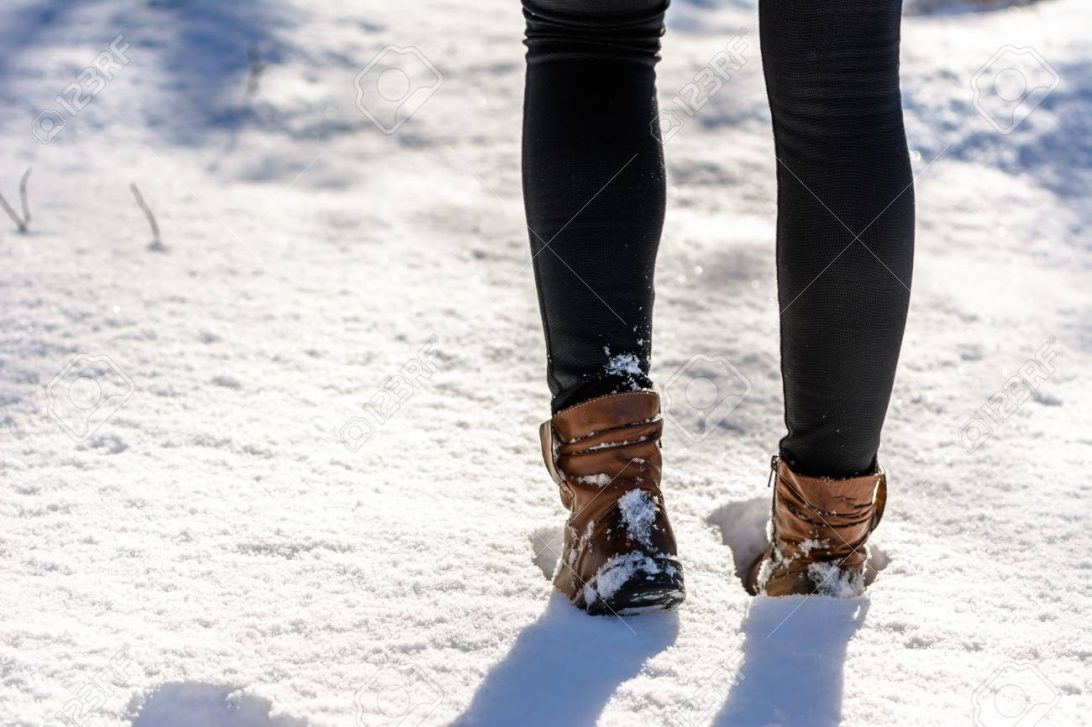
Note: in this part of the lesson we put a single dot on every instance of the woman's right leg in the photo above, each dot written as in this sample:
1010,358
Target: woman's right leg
593,180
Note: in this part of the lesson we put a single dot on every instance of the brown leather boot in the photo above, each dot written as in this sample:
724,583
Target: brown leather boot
619,552
818,531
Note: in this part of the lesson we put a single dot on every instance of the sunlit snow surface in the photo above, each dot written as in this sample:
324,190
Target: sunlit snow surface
212,511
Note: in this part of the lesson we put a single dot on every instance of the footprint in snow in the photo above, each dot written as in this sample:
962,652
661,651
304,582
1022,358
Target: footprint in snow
742,528
546,544
184,704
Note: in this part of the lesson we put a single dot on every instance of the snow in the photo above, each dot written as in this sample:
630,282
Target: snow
619,443
259,557
182,704
623,365
835,582
638,511
617,572
600,479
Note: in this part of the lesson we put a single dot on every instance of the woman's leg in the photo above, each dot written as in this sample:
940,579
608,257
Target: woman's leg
593,180
845,226
845,244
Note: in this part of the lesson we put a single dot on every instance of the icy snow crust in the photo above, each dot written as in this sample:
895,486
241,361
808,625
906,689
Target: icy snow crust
214,552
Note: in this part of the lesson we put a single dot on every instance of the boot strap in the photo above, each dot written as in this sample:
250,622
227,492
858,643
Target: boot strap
549,450
879,501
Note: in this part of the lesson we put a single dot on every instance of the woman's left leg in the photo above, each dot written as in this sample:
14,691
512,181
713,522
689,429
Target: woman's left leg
845,247
593,183
594,189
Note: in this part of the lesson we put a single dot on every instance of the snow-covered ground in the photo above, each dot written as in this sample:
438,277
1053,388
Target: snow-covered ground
202,524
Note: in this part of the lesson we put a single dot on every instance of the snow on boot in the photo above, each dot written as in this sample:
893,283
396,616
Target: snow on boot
818,532
619,551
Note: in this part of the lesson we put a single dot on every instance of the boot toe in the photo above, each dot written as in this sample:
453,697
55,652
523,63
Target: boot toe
817,578
634,583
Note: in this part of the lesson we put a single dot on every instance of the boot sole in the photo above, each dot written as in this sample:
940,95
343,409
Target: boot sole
644,593
752,574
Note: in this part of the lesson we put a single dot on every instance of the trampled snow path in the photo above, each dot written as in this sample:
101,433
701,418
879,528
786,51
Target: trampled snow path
213,554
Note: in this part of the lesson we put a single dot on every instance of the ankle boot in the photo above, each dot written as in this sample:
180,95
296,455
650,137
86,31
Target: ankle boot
619,551
818,534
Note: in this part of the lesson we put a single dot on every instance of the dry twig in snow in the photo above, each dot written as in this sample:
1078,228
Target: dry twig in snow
156,243
23,196
20,222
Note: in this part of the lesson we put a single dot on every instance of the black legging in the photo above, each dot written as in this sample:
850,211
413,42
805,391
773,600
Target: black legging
593,179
